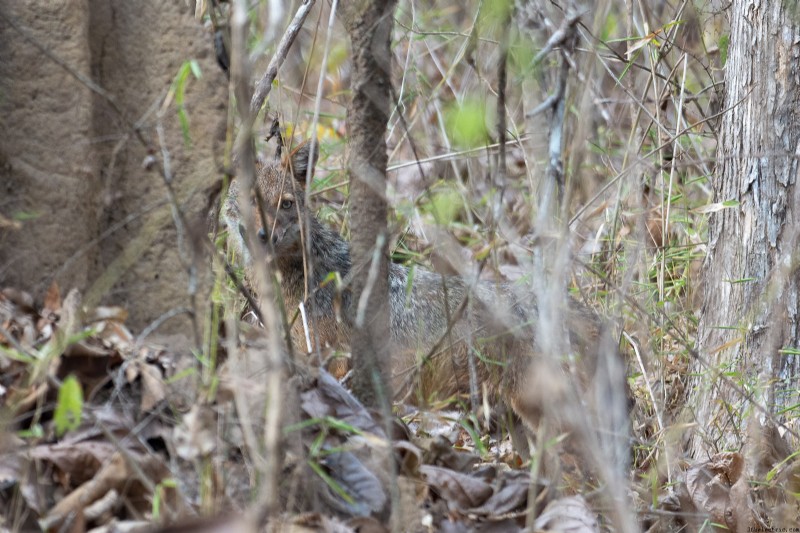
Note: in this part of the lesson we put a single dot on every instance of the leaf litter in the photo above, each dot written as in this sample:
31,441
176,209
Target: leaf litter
144,450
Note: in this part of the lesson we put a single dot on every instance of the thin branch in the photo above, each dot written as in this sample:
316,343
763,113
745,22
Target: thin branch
558,38
264,85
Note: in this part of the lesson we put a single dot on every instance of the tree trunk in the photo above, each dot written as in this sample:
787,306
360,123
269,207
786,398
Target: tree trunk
749,323
369,23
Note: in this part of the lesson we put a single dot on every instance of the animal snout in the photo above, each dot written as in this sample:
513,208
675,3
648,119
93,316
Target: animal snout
263,237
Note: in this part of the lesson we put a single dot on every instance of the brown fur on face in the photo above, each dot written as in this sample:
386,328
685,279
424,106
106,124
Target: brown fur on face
281,185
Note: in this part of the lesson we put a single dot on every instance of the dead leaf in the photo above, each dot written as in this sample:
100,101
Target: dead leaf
309,523
52,298
461,491
409,457
440,452
19,298
330,398
9,223
221,524
110,313
709,486
366,524
115,474
510,495
196,436
567,515
358,481
115,334
741,516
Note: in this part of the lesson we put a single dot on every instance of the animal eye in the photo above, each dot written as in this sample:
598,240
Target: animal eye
286,204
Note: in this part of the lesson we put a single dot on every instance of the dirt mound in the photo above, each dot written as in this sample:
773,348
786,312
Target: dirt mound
78,204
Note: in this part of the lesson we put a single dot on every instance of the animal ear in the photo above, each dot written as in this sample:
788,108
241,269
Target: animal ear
300,159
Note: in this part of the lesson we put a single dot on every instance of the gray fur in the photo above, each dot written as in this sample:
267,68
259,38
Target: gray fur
494,324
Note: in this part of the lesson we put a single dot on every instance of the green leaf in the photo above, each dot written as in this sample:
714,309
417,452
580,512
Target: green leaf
195,66
178,92
722,44
338,489
714,207
23,216
36,431
446,204
496,13
466,125
69,405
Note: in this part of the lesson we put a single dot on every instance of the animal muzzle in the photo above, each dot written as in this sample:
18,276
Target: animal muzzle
277,235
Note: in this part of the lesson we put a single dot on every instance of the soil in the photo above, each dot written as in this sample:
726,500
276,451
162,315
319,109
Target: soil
78,205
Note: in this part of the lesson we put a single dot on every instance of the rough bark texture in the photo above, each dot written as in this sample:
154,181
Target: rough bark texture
369,23
750,312
93,217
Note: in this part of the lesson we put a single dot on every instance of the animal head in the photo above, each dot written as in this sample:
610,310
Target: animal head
281,184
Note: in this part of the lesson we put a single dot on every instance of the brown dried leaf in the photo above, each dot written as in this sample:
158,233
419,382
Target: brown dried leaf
86,348
511,494
364,524
153,391
461,492
115,334
356,479
77,461
309,523
109,313
440,451
115,474
330,398
21,299
222,524
11,463
409,457
741,516
196,436
709,485
568,515
52,301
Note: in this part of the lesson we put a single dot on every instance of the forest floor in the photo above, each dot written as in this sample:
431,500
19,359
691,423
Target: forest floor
109,432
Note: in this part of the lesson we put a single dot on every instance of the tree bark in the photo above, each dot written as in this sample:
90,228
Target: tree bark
369,23
749,321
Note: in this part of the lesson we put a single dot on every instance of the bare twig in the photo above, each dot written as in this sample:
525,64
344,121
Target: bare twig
656,408
240,78
555,166
372,277
179,219
155,324
624,172
308,264
558,38
477,152
264,85
502,74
